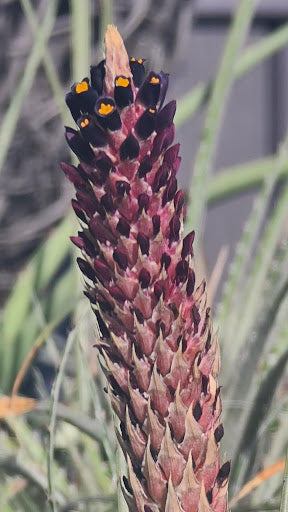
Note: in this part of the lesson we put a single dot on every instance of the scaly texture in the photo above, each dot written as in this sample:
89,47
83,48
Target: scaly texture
161,360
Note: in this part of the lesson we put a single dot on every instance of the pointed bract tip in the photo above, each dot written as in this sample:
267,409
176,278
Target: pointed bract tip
117,60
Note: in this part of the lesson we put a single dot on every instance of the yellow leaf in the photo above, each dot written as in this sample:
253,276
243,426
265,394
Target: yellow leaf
11,406
277,467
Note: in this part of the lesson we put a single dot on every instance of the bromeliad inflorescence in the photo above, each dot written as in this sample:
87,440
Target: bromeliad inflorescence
161,360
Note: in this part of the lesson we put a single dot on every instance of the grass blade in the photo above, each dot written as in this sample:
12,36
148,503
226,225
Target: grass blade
106,18
9,122
52,425
240,178
254,287
80,38
47,61
228,316
249,59
215,111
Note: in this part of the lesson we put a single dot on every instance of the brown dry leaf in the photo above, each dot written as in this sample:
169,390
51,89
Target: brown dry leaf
277,467
11,406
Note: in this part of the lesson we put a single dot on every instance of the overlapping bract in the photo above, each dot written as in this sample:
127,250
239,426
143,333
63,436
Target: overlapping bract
161,360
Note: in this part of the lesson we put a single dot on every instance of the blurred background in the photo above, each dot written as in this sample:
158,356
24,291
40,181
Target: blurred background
182,37
231,87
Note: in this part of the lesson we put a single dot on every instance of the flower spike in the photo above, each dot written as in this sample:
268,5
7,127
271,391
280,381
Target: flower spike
160,357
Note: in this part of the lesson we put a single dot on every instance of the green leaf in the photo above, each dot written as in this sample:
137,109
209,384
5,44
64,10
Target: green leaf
240,178
19,312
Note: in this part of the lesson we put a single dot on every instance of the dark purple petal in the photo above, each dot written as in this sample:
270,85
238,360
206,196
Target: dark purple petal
73,174
78,210
171,155
153,90
197,411
98,173
123,91
143,242
103,162
87,203
82,242
196,318
107,113
122,187
102,271
102,326
160,178
218,433
175,312
123,227
100,231
187,245
209,496
85,96
156,224
107,202
73,103
181,271
159,290
170,190
137,70
90,294
145,125
190,283
78,241
95,176
165,260
145,167
90,248
86,269
205,382
97,74
130,148
165,116
104,306
223,472
162,141
174,226
144,278
91,132
163,87
117,293
176,164
139,315
79,146
179,201
120,258
143,202
149,91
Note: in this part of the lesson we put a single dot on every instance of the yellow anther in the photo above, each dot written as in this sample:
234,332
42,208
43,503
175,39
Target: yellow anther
81,87
154,80
133,59
140,61
105,109
152,110
122,81
84,123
